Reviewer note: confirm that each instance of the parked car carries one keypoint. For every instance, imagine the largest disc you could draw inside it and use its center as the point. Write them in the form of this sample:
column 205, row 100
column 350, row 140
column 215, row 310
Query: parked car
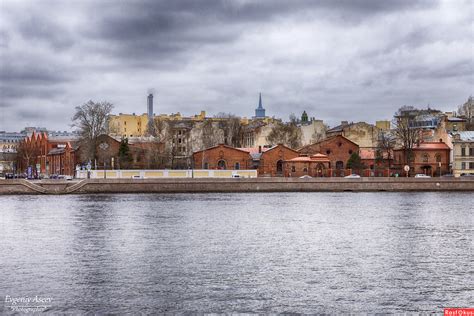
column 421, row 175
column 236, row 176
column 137, row 177
column 448, row 175
column 9, row 176
column 306, row 177
column 68, row 178
column 467, row 175
column 352, row 176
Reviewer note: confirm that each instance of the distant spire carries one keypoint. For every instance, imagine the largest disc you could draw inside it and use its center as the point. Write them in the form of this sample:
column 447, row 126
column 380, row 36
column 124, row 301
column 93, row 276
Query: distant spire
column 260, row 111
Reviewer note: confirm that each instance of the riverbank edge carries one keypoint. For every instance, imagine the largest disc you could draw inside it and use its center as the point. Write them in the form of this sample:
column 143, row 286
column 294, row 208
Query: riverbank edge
column 203, row 185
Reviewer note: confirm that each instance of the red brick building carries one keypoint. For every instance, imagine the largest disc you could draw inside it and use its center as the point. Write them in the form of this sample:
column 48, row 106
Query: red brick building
column 144, row 153
column 315, row 166
column 222, row 157
column 337, row 148
column 429, row 158
column 47, row 155
column 270, row 161
column 60, row 155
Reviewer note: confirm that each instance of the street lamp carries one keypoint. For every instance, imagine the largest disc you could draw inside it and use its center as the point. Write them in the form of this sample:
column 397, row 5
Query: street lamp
column 104, row 146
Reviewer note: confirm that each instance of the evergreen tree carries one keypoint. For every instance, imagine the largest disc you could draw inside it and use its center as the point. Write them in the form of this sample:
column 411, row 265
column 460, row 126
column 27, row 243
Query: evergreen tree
column 355, row 162
column 124, row 153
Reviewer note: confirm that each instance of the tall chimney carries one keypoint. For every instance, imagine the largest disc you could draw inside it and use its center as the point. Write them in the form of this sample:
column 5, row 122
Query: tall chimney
column 150, row 111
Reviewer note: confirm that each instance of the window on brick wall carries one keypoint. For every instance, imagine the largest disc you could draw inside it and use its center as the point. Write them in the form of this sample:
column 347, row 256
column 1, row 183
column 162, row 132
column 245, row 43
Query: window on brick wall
column 425, row 157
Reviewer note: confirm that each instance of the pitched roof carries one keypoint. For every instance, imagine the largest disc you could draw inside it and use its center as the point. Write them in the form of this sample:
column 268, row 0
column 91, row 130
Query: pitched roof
column 320, row 157
column 314, row 158
column 367, row 153
column 254, row 150
column 431, row 146
column 221, row 145
column 456, row 119
column 328, row 140
column 466, row 135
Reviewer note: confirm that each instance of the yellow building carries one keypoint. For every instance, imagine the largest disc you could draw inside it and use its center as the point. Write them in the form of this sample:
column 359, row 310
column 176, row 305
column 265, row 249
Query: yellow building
column 128, row 125
column 383, row 125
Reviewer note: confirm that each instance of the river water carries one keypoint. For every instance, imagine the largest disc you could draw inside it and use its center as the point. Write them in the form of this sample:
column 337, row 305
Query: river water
column 260, row 252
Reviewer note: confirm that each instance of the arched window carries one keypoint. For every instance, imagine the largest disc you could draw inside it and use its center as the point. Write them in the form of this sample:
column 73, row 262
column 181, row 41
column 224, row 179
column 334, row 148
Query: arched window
column 206, row 165
column 221, row 164
column 426, row 157
column 438, row 158
column 279, row 166
column 237, row 166
column 339, row 165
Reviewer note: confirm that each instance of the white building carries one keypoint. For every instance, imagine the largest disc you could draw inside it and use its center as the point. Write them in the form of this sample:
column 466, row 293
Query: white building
column 463, row 153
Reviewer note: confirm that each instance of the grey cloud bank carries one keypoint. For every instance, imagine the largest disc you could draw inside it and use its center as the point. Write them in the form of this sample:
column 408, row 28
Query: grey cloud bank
column 353, row 60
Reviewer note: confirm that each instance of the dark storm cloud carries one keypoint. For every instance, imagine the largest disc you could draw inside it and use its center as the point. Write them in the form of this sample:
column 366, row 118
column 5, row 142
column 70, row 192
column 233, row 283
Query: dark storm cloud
column 153, row 29
column 463, row 68
column 333, row 58
column 32, row 74
column 40, row 28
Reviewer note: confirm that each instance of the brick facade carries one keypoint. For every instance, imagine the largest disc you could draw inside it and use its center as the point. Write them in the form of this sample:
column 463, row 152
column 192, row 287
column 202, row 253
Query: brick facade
column 427, row 158
column 107, row 149
column 222, row 157
column 51, row 155
column 271, row 160
column 314, row 166
column 338, row 149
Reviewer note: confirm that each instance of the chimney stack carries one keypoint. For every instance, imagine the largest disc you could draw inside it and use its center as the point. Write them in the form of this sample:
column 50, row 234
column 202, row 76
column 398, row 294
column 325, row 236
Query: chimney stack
column 150, row 111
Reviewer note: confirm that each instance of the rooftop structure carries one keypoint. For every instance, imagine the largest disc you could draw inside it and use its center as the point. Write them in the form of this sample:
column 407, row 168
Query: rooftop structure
column 260, row 111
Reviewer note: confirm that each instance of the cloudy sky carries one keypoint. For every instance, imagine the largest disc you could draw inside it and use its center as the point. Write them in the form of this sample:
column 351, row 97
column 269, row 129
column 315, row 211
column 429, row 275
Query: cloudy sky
column 337, row 59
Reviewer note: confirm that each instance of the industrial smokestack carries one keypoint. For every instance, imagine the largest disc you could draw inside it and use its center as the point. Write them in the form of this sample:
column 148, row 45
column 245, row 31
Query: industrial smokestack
column 150, row 106
column 150, row 113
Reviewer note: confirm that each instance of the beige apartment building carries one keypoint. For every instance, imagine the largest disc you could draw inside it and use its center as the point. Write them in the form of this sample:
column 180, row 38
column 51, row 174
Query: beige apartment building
column 463, row 153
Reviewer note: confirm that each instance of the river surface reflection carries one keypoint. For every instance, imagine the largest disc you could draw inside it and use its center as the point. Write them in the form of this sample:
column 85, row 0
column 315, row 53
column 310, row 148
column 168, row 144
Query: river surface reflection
column 259, row 252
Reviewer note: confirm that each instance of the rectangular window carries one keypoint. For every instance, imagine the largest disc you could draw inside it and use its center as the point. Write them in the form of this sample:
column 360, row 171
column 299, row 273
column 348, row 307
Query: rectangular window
column 463, row 151
column 471, row 165
column 463, row 165
column 471, row 151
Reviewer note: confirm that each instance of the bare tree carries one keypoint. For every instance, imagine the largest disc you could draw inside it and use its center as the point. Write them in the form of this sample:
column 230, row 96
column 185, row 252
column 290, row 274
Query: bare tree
column 287, row 134
column 467, row 110
column 91, row 119
column 406, row 131
column 385, row 145
column 208, row 139
column 27, row 155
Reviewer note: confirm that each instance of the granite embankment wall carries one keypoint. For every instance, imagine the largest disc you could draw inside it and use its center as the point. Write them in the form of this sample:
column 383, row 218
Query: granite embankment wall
column 91, row 186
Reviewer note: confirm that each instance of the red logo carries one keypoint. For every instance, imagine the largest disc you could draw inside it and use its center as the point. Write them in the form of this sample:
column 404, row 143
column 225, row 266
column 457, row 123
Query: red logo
column 459, row 312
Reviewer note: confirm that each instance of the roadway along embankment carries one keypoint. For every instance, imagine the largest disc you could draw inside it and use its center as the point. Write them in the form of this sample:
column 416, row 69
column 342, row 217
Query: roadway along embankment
column 167, row 185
